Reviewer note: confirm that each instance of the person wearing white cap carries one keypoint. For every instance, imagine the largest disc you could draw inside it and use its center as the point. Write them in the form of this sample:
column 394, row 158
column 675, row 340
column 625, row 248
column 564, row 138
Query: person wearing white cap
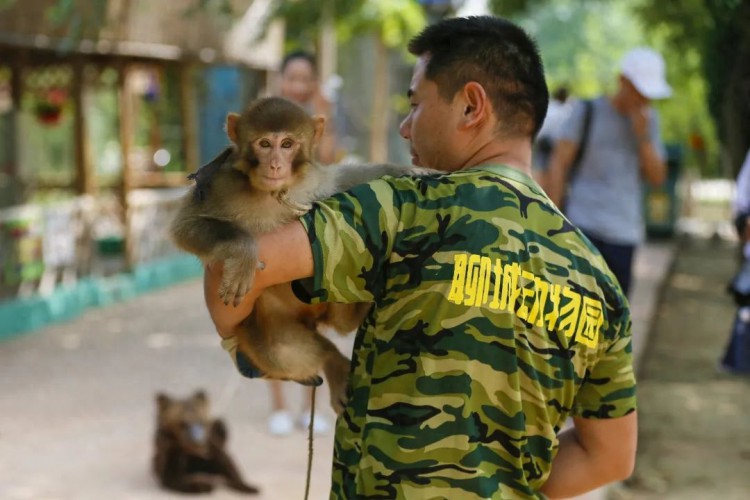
column 620, row 146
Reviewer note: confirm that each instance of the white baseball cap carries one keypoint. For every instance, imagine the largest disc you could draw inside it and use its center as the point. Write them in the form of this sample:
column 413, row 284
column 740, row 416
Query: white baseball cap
column 645, row 69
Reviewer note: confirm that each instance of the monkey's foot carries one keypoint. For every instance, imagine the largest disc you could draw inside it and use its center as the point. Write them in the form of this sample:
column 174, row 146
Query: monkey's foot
column 299, row 209
column 313, row 381
column 243, row 487
column 247, row 368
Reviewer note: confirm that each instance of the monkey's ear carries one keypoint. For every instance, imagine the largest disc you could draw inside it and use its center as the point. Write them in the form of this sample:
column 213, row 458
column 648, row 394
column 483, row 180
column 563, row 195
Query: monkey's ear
column 319, row 121
column 232, row 120
column 162, row 400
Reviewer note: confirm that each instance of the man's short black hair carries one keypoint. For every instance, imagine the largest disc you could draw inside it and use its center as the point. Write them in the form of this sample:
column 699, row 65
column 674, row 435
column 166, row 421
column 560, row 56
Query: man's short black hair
column 498, row 55
column 299, row 54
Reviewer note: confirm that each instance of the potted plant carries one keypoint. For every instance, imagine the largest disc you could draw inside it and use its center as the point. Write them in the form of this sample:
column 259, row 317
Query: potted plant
column 49, row 107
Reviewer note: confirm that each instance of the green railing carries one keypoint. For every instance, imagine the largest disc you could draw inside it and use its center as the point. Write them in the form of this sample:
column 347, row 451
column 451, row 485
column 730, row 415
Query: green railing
column 60, row 259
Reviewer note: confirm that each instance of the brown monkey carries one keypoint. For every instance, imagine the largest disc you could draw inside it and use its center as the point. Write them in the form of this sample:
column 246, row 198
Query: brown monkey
column 266, row 180
column 190, row 453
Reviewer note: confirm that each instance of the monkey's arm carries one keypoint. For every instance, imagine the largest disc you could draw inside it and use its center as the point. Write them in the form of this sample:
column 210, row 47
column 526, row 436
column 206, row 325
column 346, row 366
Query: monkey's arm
column 350, row 175
column 200, row 235
column 287, row 256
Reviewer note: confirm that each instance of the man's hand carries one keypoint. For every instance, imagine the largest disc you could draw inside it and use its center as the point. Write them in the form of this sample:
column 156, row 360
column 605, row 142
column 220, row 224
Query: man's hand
column 653, row 169
column 286, row 255
column 639, row 122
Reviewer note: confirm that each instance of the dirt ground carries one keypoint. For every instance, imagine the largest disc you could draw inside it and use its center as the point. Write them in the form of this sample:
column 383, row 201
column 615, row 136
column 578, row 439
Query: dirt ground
column 694, row 421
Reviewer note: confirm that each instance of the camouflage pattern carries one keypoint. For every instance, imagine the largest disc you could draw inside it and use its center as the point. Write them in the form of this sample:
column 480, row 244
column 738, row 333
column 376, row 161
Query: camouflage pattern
column 495, row 320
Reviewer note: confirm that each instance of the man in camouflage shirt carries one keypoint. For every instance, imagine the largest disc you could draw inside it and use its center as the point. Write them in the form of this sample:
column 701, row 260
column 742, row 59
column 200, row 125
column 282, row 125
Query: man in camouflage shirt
column 494, row 319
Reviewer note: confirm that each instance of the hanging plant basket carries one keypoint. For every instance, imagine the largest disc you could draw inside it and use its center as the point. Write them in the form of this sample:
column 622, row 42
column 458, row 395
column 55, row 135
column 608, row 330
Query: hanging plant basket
column 48, row 114
column 49, row 107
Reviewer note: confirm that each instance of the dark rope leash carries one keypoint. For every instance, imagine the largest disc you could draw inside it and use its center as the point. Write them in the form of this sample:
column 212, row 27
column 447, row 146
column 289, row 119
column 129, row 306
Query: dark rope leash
column 310, row 443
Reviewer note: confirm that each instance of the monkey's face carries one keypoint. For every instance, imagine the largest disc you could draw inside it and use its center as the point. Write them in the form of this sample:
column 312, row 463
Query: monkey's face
column 275, row 139
column 272, row 160
column 186, row 421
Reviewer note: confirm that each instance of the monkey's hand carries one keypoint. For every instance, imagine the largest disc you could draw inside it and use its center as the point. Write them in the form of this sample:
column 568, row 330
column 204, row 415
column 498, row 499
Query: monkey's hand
column 298, row 209
column 237, row 279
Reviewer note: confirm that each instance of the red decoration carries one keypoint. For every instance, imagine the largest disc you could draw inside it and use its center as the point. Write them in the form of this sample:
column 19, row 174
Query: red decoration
column 49, row 107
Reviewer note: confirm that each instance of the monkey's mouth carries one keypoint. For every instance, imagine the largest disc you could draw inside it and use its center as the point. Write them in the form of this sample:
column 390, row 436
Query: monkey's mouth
column 272, row 183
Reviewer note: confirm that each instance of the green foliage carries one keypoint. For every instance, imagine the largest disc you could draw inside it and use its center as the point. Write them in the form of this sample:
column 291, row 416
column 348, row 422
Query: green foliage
column 507, row 8
column 78, row 23
column 61, row 12
column 582, row 41
column 682, row 24
column 701, row 37
column 395, row 21
column 214, row 7
column 304, row 19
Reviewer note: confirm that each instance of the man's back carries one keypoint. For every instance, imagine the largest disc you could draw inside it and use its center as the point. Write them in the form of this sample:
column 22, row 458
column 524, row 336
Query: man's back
column 520, row 309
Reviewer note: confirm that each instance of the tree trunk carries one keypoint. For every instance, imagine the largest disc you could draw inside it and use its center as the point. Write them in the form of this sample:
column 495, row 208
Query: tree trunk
column 381, row 106
column 736, row 112
column 84, row 179
column 327, row 42
column 127, row 122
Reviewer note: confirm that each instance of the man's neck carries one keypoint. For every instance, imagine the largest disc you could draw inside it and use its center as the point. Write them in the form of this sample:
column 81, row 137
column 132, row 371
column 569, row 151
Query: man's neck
column 514, row 153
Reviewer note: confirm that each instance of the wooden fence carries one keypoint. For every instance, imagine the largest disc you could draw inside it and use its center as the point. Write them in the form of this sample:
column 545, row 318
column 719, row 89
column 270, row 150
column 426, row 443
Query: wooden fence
column 42, row 247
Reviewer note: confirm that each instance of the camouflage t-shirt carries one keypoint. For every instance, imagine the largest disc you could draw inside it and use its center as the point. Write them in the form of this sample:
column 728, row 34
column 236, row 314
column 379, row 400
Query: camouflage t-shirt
column 494, row 321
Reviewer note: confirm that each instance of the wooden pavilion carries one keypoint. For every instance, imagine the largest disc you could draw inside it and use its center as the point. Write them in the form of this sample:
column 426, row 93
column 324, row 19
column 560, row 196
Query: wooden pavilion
column 105, row 106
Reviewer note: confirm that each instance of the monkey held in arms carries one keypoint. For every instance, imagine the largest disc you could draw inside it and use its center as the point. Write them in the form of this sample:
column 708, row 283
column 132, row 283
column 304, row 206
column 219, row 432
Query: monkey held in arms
column 268, row 179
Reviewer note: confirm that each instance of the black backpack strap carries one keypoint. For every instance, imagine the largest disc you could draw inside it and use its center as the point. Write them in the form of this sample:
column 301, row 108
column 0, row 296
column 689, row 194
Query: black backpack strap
column 204, row 175
column 588, row 112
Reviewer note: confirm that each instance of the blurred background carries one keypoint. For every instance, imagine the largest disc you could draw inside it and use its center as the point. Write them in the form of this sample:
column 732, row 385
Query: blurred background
column 107, row 105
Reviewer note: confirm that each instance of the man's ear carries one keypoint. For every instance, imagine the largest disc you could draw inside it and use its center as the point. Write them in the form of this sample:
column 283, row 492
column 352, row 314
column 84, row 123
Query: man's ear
column 232, row 121
column 319, row 121
column 476, row 105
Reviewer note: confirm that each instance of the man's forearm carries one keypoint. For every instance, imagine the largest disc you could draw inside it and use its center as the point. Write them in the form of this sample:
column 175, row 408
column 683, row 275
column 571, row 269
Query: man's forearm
column 286, row 255
column 593, row 453
column 572, row 471
column 556, row 177
column 554, row 184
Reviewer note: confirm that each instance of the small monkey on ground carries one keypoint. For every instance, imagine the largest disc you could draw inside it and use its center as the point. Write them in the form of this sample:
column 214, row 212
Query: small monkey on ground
column 190, row 451
column 268, row 179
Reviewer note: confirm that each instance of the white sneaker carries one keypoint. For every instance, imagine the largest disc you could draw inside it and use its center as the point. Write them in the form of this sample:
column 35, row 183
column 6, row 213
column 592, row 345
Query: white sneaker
column 321, row 425
column 280, row 423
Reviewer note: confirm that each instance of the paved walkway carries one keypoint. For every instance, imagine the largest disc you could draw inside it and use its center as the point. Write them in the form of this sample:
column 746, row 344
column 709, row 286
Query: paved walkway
column 694, row 432
column 77, row 399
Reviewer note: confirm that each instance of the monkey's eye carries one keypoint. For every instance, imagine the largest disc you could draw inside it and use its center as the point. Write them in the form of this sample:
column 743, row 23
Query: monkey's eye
column 287, row 143
column 264, row 143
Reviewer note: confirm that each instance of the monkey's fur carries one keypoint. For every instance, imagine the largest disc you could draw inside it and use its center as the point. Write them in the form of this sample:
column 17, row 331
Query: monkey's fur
column 266, row 180
column 189, row 448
